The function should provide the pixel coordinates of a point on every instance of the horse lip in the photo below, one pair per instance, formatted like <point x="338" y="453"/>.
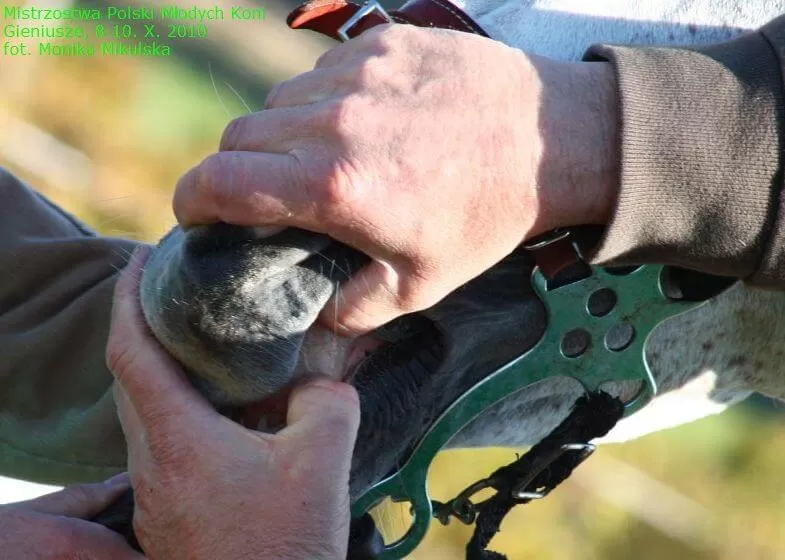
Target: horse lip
<point x="361" y="348"/>
<point x="268" y="415"/>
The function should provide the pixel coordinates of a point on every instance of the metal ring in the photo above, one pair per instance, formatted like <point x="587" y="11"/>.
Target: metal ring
<point x="369" y="7"/>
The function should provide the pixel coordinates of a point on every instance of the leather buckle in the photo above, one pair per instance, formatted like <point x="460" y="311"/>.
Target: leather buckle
<point x="558" y="251"/>
<point x="369" y="7"/>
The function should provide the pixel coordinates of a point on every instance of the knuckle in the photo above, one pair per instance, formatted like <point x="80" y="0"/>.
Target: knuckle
<point x="232" y="134"/>
<point x="340" y="114"/>
<point x="212" y="169"/>
<point x="120" y="357"/>
<point x="80" y="494"/>
<point x="382" y="38"/>
<point x="333" y="180"/>
<point x="215" y="178"/>
<point x="369" y="71"/>
<point x="337" y="189"/>
<point x="417" y="292"/>
<point x="273" y="95"/>
<point x="324" y="58"/>
<point x="390" y="39"/>
<point x="334" y="55"/>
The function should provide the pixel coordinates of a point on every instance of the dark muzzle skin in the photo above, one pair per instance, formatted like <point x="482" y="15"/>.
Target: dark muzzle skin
<point x="234" y="308"/>
<point x="238" y="309"/>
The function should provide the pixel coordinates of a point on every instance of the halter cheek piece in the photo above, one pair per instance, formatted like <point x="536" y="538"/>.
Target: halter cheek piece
<point x="598" y="323"/>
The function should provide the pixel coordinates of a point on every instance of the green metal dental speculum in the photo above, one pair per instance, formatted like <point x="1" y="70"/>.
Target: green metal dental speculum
<point x="596" y="333"/>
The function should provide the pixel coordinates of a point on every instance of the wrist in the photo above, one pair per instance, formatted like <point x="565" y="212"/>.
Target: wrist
<point x="578" y="168"/>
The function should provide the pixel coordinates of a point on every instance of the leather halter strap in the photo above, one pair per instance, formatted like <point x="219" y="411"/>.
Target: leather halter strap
<point x="327" y="16"/>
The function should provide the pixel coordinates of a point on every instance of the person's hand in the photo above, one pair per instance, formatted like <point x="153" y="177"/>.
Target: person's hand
<point x="55" y="525"/>
<point x="208" y="488"/>
<point x="434" y="152"/>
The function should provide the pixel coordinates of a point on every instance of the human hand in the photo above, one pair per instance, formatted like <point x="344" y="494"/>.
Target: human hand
<point x="434" y="152"/>
<point x="55" y="525"/>
<point x="208" y="488"/>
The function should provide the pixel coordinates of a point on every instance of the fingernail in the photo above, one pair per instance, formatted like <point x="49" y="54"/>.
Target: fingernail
<point x="121" y="479"/>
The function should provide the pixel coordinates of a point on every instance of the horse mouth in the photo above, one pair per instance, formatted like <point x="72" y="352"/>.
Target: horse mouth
<point x="379" y="365"/>
<point x="361" y="350"/>
<point x="269" y="414"/>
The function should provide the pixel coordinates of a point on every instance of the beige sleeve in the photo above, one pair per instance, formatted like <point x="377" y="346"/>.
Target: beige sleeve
<point x="58" y="422"/>
<point x="701" y="157"/>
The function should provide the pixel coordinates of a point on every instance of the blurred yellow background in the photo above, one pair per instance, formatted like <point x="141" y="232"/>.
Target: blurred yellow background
<point x="107" y="138"/>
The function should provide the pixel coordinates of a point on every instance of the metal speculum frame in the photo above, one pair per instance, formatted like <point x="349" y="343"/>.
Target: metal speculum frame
<point x="596" y="333"/>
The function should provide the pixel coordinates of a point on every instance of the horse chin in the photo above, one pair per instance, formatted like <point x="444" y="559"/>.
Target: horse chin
<point x="349" y="355"/>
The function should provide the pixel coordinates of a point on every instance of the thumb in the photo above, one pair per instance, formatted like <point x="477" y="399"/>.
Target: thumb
<point x="375" y="295"/>
<point x="324" y="412"/>
<point x="81" y="501"/>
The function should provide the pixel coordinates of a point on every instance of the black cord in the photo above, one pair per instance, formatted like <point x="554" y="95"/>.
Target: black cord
<point x="592" y="416"/>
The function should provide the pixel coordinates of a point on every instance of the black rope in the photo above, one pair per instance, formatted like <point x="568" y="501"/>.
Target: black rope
<point x="592" y="416"/>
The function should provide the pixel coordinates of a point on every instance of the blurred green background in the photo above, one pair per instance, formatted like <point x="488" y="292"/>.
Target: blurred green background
<point x="108" y="137"/>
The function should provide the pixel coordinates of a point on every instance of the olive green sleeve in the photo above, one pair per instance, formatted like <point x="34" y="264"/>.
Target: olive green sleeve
<point x="58" y="422"/>
<point x="701" y="157"/>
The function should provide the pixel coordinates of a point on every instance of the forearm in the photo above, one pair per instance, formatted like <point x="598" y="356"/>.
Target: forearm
<point x="58" y="422"/>
<point x="700" y="157"/>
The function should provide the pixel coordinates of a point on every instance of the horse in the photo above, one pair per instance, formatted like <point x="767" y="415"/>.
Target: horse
<point x="237" y="306"/>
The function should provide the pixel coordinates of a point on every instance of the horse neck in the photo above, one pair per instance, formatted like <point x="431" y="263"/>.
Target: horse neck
<point x="734" y="339"/>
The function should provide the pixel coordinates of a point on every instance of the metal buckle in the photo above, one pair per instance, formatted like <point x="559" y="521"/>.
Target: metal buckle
<point x="520" y="492"/>
<point x="367" y="8"/>
<point x="547" y="238"/>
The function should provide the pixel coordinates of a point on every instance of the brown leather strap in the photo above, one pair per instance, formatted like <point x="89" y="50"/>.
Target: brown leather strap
<point x="327" y="16"/>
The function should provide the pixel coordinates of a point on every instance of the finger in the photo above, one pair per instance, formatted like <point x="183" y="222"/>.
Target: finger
<point x="81" y="500"/>
<point x="308" y="88"/>
<point x="156" y="385"/>
<point x="91" y="540"/>
<point x="274" y="131"/>
<point x="246" y="189"/>
<point x="374" y="296"/>
<point x="328" y="411"/>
